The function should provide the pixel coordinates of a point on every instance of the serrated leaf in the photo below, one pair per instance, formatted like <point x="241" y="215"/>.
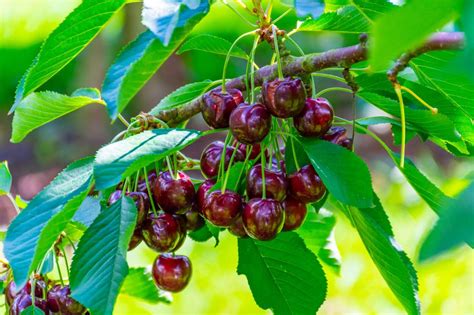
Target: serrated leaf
<point x="212" y="44"/>
<point x="182" y="95"/>
<point x="103" y="250"/>
<point x="120" y="159"/>
<point x="403" y="29"/>
<point x="36" y="228"/>
<point x="317" y="233"/>
<point x="66" y="42"/>
<point x="39" y="108"/>
<point x="139" y="284"/>
<point x="454" y="226"/>
<point x="345" y="175"/>
<point x="271" y="269"/>
<point x="5" y="178"/>
<point x="394" y="266"/>
<point x="88" y="211"/>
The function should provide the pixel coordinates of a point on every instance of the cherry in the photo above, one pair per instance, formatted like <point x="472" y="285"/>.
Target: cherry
<point x="162" y="232"/>
<point x="194" y="221"/>
<point x="217" y="106"/>
<point x="202" y="193"/>
<point x="23" y="300"/>
<point x="136" y="239"/>
<point x="222" y="208"/>
<point x="295" y="213"/>
<point x="174" y="195"/>
<point x="263" y="218"/>
<point x="142" y="202"/>
<point x="212" y="155"/>
<point x="255" y="151"/>
<point x="151" y="181"/>
<point x="275" y="183"/>
<point x="284" y="98"/>
<point x="11" y="291"/>
<point x="60" y="300"/>
<point x="250" y="124"/>
<point x="237" y="228"/>
<point x="338" y="135"/>
<point x="315" y="118"/>
<point x="305" y="185"/>
<point x="115" y="196"/>
<point x="171" y="273"/>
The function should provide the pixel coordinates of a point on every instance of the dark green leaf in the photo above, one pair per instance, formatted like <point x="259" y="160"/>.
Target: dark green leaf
<point x="5" y="178"/>
<point x="455" y="226"/>
<point x="345" y="175"/>
<point x="88" y="211"/>
<point x="139" y="284"/>
<point x="103" y="250"/>
<point x="48" y="263"/>
<point x="212" y="44"/>
<point x="294" y="153"/>
<point x="283" y="274"/>
<point x="37" y="227"/>
<point x="205" y="233"/>
<point x="118" y="160"/>
<point x="182" y="95"/>
<point x="66" y="42"/>
<point x="32" y="310"/>
<point x="40" y="108"/>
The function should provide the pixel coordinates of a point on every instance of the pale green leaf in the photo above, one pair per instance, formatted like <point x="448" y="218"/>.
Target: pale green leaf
<point x="212" y="44"/>
<point x="5" y="178"/>
<point x="139" y="284"/>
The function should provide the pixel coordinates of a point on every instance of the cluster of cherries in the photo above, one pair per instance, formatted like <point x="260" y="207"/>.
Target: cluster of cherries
<point x="54" y="300"/>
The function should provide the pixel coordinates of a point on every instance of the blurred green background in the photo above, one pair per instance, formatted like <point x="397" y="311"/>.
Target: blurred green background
<point x="446" y="284"/>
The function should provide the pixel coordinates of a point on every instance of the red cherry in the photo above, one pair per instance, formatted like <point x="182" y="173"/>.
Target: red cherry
<point x="11" y="291"/>
<point x="202" y="193"/>
<point x="284" y="98"/>
<point x="315" y="118"/>
<point x="237" y="228"/>
<point x="338" y="135"/>
<point x="136" y="239"/>
<point x="22" y="301"/>
<point x="60" y="300"/>
<point x="263" y="218"/>
<point x="222" y="208"/>
<point x="217" y="107"/>
<point x="254" y="153"/>
<point x="212" y="156"/>
<point x="305" y="185"/>
<point x="162" y="233"/>
<point x="172" y="273"/>
<point x="174" y="195"/>
<point x="194" y="221"/>
<point x="250" y="124"/>
<point x="275" y="183"/>
<point x="295" y="213"/>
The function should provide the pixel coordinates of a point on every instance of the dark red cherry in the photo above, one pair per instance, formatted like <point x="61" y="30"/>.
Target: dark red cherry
<point x="163" y="232"/>
<point x="275" y="183"/>
<point x="305" y="185"/>
<point x="255" y="151"/>
<point x="222" y="208"/>
<point x="338" y="135"/>
<point x="250" y="124"/>
<point x="171" y="273"/>
<point x="202" y="193"/>
<point x="136" y="239"/>
<point x="212" y="155"/>
<point x="237" y="228"/>
<point x="295" y="213"/>
<point x="151" y="181"/>
<point x="142" y="202"/>
<point x="174" y="195"/>
<point x="11" y="291"/>
<point x="23" y="300"/>
<point x="263" y="218"/>
<point x="60" y="300"/>
<point x="284" y="98"/>
<point x="315" y="118"/>
<point x="217" y="106"/>
<point x="194" y="220"/>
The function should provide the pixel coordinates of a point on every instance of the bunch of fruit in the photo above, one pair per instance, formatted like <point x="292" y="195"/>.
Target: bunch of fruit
<point x="49" y="297"/>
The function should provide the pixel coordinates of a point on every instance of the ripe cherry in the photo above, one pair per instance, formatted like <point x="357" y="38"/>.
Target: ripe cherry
<point x="212" y="155"/>
<point x="136" y="239"/>
<point x="295" y="213"/>
<point x="202" y="193"/>
<point x="162" y="232"/>
<point x="237" y="228"/>
<point x="263" y="218"/>
<point x="338" y="135"/>
<point x="23" y="300"/>
<point x="284" y="98"/>
<point x="305" y="185"/>
<point x="222" y="208"/>
<point x="275" y="183"/>
<point x="171" y="273"/>
<point x="315" y="118"/>
<point x="60" y="300"/>
<point x="151" y="181"/>
<point x="194" y="221"/>
<point x="255" y="151"/>
<point x="174" y="195"/>
<point x="250" y="124"/>
<point x="217" y="106"/>
<point x="11" y="291"/>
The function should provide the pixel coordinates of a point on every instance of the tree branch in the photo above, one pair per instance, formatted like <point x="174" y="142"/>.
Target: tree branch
<point x="296" y="66"/>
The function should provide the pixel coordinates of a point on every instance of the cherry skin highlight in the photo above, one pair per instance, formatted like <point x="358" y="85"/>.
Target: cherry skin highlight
<point x="315" y="119"/>
<point x="305" y="185"/>
<point x="212" y="155"/>
<point x="295" y="213"/>
<point x="217" y="107"/>
<point x="250" y="124"/>
<point x="162" y="233"/>
<point x="171" y="273"/>
<point x="284" y="98"/>
<point x="174" y="195"/>
<point x="221" y="209"/>
<point x="263" y="219"/>
<point x="275" y="183"/>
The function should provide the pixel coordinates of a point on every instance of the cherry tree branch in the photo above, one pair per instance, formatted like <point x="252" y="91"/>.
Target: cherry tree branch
<point x="343" y="57"/>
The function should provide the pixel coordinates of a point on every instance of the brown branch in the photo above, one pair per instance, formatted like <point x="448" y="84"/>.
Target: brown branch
<point x="340" y="57"/>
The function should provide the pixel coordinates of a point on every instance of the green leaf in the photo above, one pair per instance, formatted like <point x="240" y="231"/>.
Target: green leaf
<point x="139" y="284"/>
<point x="454" y="226"/>
<point x="182" y="95"/>
<point x="205" y="233"/>
<point x="66" y="42"/>
<point x="88" y="211"/>
<point x="345" y="175"/>
<point x="312" y="8"/>
<point x="298" y="155"/>
<point x="403" y="29"/>
<point x="212" y="44"/>
<point x="395" y="267"/>
<point x="317" y="233"/>
<point x="103" y="250"/>
<point x="32" y="310"/>
<point x="165" y="18"/>
<point x="48" y="263"/>
<point x="5" y="178"/>
<point x="283" y="274"/>
<point x="40" y="108"/>
<point x="37" y="227"/>
<point x="118" y="160"/>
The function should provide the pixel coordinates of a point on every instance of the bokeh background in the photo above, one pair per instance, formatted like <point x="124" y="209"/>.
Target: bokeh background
<point x="446" y="283"/>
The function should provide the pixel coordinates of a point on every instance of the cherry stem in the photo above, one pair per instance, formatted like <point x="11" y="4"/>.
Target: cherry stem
<point x="123" y="120"/>
<point x="433" y="110"/>
<point x="226" y="62"/>
<point x="137" y="177"/>
<point x="65" y="259"/>
<point x="70" y="241"/>
<point x="294" y="154"/>
<point x="221" y="172"/>
<point x="398" y="91"/>
<point x="59" y="270"/>
<point x="12" y="200"/>
<point x="332" y="89"/>
<point x="239" y="14"/>
<point x="328" y="76"/>
<point x="277" y="52"/>
<point x="150" y="195"/>
<point x="294" y="43"/>
<point x="262" y="159"/>
<point x="252" y="72"/>
<point x="33" y="289"/>
<point x="282" y="16"/>
<point x="226" y="177"/>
